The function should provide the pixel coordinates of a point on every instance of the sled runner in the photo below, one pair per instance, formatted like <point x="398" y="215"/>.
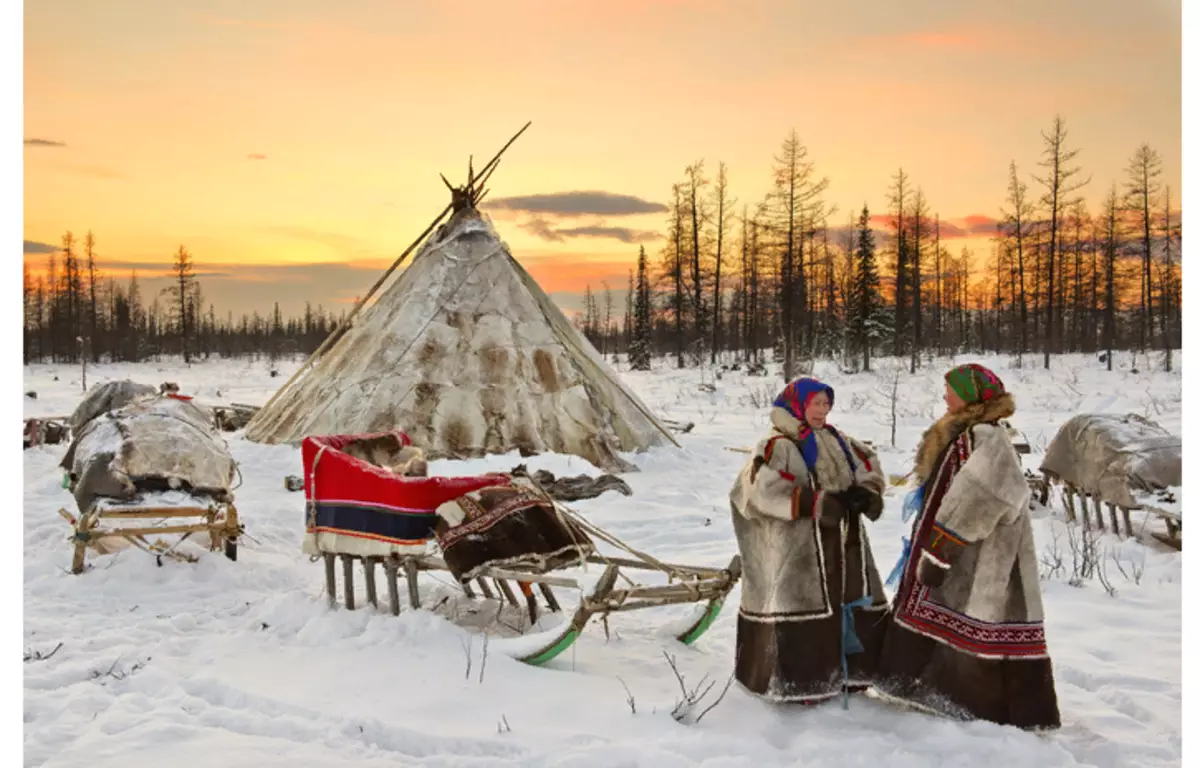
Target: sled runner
<point x="1125" y="463"/>
<point x="488" y="532"/>
<point x="154" y="467"/>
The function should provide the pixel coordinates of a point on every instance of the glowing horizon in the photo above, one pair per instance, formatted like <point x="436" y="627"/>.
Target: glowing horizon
<point x="298" y="133"/>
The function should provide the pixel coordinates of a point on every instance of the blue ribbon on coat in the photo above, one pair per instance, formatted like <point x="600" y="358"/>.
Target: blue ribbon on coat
<point x="898" y="570"/>
<point x="912" y="505"/>
<point x="850" y="643"/>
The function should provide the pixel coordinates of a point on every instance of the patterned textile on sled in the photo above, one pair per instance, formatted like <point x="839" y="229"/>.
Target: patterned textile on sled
<point x="357" y="508"/>
<point x="514" y="526"/>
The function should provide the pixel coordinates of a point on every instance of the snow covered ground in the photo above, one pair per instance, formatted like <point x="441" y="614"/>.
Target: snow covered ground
<point x="243" y="664"/>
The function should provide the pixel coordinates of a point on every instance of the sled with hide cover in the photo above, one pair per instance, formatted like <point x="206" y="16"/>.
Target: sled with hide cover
<point x="490" y="532"/>
<point x="1126" y="463"/>
<point x="153" y="467"/>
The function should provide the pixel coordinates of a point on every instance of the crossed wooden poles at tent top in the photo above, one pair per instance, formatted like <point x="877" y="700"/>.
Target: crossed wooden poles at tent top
<point x="468" y="195"/>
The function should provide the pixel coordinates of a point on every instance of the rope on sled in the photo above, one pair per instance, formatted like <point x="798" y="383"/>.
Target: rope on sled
<point x="562" y="510"/>
<point x="311" y="520"/>
<point x="608" y="538"/>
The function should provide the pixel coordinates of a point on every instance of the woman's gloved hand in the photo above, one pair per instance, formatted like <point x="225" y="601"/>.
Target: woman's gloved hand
<point x="861" y="501"/>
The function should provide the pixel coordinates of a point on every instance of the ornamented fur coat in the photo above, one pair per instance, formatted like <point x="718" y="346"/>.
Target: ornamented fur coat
<point x="975" y="646"/>
<point x="798" y="572"/>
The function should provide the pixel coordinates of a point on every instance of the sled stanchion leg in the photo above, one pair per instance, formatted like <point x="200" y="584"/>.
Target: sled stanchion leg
<point x="1069" y="497"/>
<point x="369" y="578"/>
<point x="531" y="604"/>
<point x="410" y="575"/>
<point x="1099" y="514"/>
<point x="485" y="589"/>
<point x="389" y="570"/>
<point x="507" y="591"/>
<point x="81" y="532"/>
<point x="330" y="578"/>
<point x="551" y="601"/>
<point x="348" y="579"/>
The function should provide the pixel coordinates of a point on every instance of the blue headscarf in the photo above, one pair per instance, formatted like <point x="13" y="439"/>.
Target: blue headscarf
<point x="794" y="399"/>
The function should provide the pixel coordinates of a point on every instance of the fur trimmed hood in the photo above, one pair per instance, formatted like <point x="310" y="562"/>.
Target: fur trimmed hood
<point x="946" y="429"/>
<point x="783" y="421"/>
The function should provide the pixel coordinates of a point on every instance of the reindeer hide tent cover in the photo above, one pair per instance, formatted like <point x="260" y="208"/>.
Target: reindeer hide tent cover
<point x="467" y="355"/>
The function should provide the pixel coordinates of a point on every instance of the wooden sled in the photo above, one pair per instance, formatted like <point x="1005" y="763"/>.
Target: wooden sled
<point x="492" y="531"/>
<point x="219" y="520"/>
<point x="1089" y="511"/>
<point x="706" y="586"/>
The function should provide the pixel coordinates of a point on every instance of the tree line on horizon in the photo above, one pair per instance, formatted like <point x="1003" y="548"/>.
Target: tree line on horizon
<point x="74" y="311"/>
<point x="778" y="276"/>
<point x="781" y="276"/>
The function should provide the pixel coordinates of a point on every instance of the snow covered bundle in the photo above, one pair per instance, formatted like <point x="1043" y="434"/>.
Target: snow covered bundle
<point x="149" y="445"/>
<point x="1115" y="457"/>
<point x="107" y="397"/>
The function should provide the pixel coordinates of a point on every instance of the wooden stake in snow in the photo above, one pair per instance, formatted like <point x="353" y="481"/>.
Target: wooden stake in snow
<point x="84" y="350"/>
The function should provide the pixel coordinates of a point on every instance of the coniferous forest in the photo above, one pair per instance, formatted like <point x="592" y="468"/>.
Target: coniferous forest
<point x="789" y="276"/>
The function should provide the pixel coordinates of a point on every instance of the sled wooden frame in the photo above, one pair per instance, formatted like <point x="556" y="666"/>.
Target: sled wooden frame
<point x="701" y="584"/>
<point x="220" y="522"/>
<point x="1041" y="485"/>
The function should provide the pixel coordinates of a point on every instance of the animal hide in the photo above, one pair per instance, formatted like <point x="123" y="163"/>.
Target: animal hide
<point x="974" y="523"/>
<point x="513" y="526"/>
<point x="798" y="572"/>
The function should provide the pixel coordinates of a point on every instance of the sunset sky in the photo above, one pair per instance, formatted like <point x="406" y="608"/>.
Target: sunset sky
<point x="294" y="145"/>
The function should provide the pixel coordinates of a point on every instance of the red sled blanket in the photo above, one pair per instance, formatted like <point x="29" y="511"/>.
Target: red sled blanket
<point x="357" y="508"/>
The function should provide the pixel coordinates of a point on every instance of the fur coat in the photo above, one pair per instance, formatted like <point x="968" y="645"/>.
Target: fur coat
<point x="975" y="645"/>
<point x="799" y="571"/>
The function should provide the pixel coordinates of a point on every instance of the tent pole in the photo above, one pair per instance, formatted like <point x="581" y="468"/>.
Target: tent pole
<point x="337" y="332"/>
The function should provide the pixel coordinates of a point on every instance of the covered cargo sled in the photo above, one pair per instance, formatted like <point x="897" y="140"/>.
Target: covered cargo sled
<point x="1123" y="462"/>
<point x="487" y="531"/>
<point x="159" y="463"/>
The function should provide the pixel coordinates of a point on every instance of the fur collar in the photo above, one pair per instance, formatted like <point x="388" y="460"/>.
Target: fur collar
<point x="783" y="421"/>
<point x="947" y="429"/>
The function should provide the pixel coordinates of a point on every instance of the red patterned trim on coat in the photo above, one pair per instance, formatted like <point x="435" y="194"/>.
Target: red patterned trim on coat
<point x="916" y="611"/>
<point x="974" y="636"/>
<point x="938" y="484"/>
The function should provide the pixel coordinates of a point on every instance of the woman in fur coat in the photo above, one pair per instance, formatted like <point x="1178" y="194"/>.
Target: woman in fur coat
<point x="966" y="637"/>
<point x="797" y="507"/>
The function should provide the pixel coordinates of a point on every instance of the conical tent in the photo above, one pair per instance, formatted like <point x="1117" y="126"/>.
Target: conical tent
<point x="468" y="356"/>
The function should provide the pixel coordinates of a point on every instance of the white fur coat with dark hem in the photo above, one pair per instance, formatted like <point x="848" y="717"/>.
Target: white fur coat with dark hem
<point x="793" y="589"/>
<point x="975" y="523"/>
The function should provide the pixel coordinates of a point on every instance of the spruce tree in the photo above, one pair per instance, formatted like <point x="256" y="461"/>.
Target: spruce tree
<point x="639" y="350"/>
<point x="865" y="301"/>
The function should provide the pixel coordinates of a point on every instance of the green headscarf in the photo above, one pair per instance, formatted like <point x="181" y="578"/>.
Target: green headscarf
<point x="974" y="383"/>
